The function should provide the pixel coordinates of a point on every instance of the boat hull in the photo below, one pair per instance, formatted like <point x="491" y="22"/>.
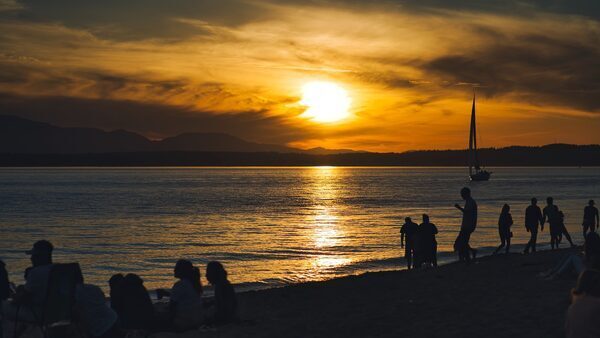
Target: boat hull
<point x="481" y="176"/>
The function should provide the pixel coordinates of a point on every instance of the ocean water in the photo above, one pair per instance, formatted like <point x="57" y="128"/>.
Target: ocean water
<point x="269" y="226"/>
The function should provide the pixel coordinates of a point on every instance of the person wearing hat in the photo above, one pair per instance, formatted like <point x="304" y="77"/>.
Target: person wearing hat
<point x="29" y="298"/>
<point x="591" y="219"/>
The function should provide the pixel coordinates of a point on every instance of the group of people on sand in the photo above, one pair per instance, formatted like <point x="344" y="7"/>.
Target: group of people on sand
<point x="421" y="247"/>
<point x="130" y="307"/>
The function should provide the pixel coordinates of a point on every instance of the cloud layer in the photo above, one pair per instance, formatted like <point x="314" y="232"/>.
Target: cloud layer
<point x="237" y="66"/>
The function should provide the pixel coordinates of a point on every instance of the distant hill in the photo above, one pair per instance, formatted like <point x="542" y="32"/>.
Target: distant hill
<point x="22" y="136"/>
<point x="28" y="143"/>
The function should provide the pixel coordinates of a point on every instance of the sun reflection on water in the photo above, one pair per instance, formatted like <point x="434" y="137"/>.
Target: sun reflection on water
<point x="327" y="233"/>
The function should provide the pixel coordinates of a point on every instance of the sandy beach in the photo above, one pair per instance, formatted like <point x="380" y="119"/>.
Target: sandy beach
<point x="500" y="296"/>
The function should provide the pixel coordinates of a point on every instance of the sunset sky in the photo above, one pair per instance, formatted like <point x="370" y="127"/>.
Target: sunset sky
<point x="405" y="68"/>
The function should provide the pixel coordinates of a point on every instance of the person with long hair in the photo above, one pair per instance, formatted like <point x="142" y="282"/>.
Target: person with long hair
<point x="225" y="302"/>
<point x="504" y="223"/>
<point x="185" y="305"/>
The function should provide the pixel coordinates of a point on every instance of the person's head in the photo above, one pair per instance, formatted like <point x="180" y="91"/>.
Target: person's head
<point x="116" y="282"/>
<point x="215" y="273"/>
<point x="41" y="253"/>
<point x="407" y="219"/>
<point x="505" y="208"/>
<point x="133" y="283"/>
<point x="184" y="269"/>
<point x="588" y="283"/>
<point x="549" y="200"/>
<point x="591" y="246"/>
<point x="591" y="203"/>
<point x="534" y="201"/>
<point x="425" y="218"/>
<point x="465" y="193"/>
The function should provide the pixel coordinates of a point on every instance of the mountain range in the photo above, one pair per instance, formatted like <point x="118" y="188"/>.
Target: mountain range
<point x="22" y="136"/>
<point x="28" y="143"/>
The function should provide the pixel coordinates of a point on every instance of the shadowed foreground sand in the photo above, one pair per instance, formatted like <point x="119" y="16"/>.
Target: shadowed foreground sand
<point x="498" y="297"/>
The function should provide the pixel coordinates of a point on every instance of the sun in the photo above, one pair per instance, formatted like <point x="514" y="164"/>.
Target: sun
<point x="326" y="101"/>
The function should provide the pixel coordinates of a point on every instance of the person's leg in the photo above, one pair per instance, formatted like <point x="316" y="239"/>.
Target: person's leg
<point x="586" y="227"/>
<point x="566" y="233"/>
<point x="502" y="243"/>
<point x="508" y="243"/>
<point x="434" y="255"/>
<point x="534" y="233"/>
<point x="408" y="255"/>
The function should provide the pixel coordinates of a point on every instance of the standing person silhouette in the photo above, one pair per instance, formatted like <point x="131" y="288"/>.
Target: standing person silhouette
<point x="533" y="218"/>
<point x="555" y="219"/>
<point x="591" y="219"/>
<point x="427" y="242"/>
<point x="408" y="233"/>
<point x="467" y="227"/>
<point x="504" y="223"/>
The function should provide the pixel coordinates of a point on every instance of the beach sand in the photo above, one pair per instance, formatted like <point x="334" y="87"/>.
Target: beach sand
<point x="499" y="296"/>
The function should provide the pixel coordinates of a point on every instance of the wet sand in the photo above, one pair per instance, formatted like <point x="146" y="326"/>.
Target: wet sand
<point x="499" y="296"/>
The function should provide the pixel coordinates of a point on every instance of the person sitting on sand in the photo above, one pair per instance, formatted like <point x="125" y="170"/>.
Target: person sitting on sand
<point x="225" y="301"/>
<point x="185" y="304"/>
<point x="468" y="225"/>
<point x="116" y="285"/>
<point x="91" y="310"/>
<point x="574" y="264"/>
<point x="533" y="218"/>
<point x="591" y="219"/>
<point x="427" y="246"/>
<point x="504" y="223"/>
<point x="582" y="315"/>
<point x="407" y="240"/>
<point x="135" y="308"/>
<point x="29" y="298"/>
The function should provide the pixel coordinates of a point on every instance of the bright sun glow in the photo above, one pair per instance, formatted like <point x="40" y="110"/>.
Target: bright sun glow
<point x="326" y="102"/>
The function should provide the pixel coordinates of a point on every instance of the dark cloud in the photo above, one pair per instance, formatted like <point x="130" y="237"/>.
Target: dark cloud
<point x="140" y="19"/>
<point x="538" y="69"/>
<point x="153" y="120"/>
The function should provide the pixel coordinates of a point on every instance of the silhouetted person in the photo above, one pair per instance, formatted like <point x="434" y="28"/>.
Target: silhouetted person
<point x="591" y="219"/>
<point x="408" y="233"/>
<point x="427" y="245"/>
<point x="185" y="305"/>
<point x="117" y="285"/>
<point x="582" y="315"/>
<point x="505" y="221"/>
<point x="98" y="319"/>
<point x="225" y="301"/>
<point x="29" y="298"/>
<point x="551" y="215"/>
<point x="563" y="229"/>
<point x="137" y="311"/>
<point x="467" y="227"/>
<point x="574" y="264"/>
<point x="4" y="283"/>
<point x="533" y="218"/>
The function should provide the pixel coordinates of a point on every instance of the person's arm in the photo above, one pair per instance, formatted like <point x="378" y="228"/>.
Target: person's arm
<point x="402" y="231"/>
<point x="510" y="220"/>
<point x="597" y="218"/>
<point x="541" y="218"/>
<point x="435" y="229"/>
<point x="459" y="207"/>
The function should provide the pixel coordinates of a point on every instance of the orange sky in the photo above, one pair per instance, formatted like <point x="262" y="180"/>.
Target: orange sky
<point x="239" y="66"/>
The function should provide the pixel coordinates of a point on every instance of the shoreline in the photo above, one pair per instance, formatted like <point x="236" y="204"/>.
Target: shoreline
<point x="498" y="296"/>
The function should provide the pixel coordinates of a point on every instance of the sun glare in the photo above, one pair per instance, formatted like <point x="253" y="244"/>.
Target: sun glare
<point x="326" y="102"/>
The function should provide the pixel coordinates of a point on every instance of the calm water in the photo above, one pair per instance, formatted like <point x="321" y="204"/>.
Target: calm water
<point x="269" y="226"/>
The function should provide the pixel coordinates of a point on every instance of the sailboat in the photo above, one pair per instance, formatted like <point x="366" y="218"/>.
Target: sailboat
<point x="476" y="173"/>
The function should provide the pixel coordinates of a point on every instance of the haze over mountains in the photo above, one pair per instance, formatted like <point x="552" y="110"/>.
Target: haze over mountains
<point x="28" y="143"/>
